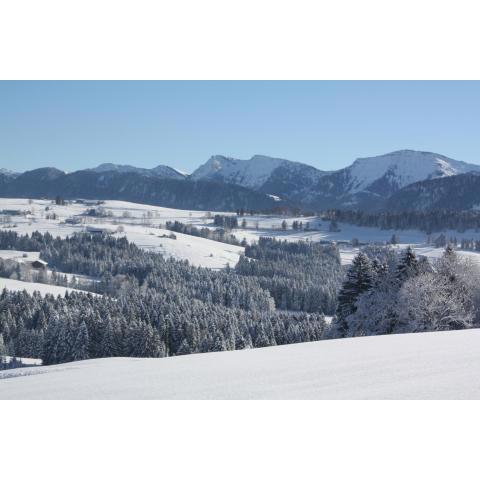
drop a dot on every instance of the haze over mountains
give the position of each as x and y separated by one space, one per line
404 179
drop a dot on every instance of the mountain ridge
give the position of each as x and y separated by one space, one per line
367 184
163 171
135 187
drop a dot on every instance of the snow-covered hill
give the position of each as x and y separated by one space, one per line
140 223
442 365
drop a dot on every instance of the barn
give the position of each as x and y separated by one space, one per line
37 264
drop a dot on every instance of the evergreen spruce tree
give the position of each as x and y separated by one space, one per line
184 348
3 348
408 266
50 345
109 348
359 280
80 345
219 343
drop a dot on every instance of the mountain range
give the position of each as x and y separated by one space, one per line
401 180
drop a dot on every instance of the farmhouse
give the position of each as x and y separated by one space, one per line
30 259
73 220
99 230
37 264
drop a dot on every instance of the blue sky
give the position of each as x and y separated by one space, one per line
74 125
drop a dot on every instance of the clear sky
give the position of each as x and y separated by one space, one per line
74 125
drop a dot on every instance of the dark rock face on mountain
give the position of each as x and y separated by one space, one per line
458 192
161 171
134 187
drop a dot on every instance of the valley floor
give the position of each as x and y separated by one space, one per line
441 365
144 225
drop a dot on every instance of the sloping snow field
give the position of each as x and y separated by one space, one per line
30 287
139 223
142 224
200 252
441 365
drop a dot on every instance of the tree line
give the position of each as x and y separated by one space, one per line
217 234
428 221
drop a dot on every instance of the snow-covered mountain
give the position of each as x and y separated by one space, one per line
401 168
251 173
162 171
274 176
369 181
364 184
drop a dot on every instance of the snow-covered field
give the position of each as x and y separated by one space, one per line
347 253
441 365
19 256
25 361
139 223
142 224
198 251
30 287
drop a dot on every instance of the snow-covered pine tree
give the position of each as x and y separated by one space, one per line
359 279
3 348
407 266
80 345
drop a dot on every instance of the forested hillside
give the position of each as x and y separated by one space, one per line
299 275
150 306
277 294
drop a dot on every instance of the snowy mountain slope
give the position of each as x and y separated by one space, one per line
441 365
368 182
364 184
403 168
251 173
281 179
